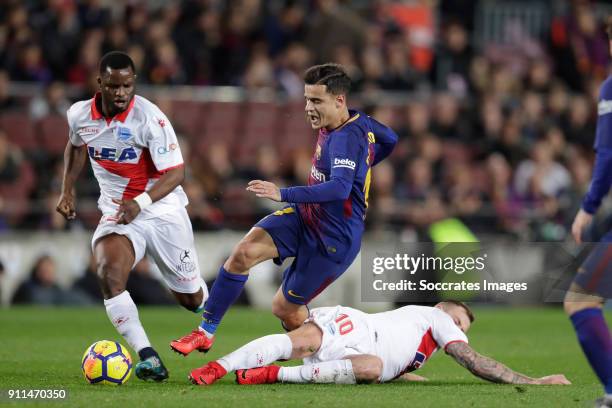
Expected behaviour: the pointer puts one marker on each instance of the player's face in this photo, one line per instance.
(117, 88)
(458, 314)
(461, 318)
(323, 109)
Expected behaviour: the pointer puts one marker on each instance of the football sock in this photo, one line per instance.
(223, 294)
(258, 353)
(147, 352)
(336, 371)
(123, 314)
(594, 337)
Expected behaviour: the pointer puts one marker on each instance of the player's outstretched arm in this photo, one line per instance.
(491, 370)
(74, 160)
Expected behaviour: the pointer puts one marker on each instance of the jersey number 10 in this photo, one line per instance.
(346, 326)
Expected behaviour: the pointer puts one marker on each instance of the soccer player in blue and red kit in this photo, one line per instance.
(593, 283)
(324, 221)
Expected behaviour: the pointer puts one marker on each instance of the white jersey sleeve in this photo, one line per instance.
(444, 330)
(162, 142)
(75, 139)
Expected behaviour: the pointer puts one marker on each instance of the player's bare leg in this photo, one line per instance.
(193, 302)
(291, 315)
(577, 299)
(114, 257)
(256, 246)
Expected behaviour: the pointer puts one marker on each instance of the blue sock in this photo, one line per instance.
(223, 294)
(594, 337)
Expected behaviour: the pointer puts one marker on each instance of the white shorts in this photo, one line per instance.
(345, 333)
(168, 239)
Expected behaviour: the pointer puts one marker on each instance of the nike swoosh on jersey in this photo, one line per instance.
(292, 293)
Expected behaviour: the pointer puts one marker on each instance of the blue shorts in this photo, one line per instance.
(313, 268)
(595, 274)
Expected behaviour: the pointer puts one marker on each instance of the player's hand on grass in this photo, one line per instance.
(264, 189)
(582, 220)
(127, 212)
(412, 377)
(66, 207)
(555, 379)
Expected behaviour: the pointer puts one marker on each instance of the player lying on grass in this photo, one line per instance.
(346, 346)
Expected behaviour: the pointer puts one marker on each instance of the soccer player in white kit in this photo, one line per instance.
(137, 161)
(346, 346)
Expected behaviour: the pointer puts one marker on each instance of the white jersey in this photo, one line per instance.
(128, 153)
(406, 337)
(403, 338)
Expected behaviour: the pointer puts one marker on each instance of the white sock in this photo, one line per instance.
(258, 353)
(123, 314)
(336, 371)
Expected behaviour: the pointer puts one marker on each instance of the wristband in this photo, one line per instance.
(143, 200)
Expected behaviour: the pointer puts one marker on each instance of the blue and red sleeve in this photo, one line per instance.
(345, 152)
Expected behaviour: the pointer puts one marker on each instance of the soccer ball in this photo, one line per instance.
(106, 362)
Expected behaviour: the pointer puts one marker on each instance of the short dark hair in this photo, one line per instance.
(116, 60)
(333, 76)
(464, 306)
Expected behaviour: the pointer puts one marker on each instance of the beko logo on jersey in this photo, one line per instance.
(347, 163)
(109, 153)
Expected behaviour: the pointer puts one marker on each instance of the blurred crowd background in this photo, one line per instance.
(495, 103)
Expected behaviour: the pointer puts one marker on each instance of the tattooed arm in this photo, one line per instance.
(491, 370)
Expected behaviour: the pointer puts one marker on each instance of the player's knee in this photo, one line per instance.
(243, 257)
(306, 340)
(110, 277)
(291, 319)
(575, 304)
(367, 371)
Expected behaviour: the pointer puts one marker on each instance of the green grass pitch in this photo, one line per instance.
(42, 348)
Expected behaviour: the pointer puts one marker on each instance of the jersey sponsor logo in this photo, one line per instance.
(604, 107)
(419, 360)
(167, 149)
(346, 163)
(87, 131)
(427, 347)
(186, 265)
(110, 153)
(317, 175)
(123, 134)
(185, 256)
